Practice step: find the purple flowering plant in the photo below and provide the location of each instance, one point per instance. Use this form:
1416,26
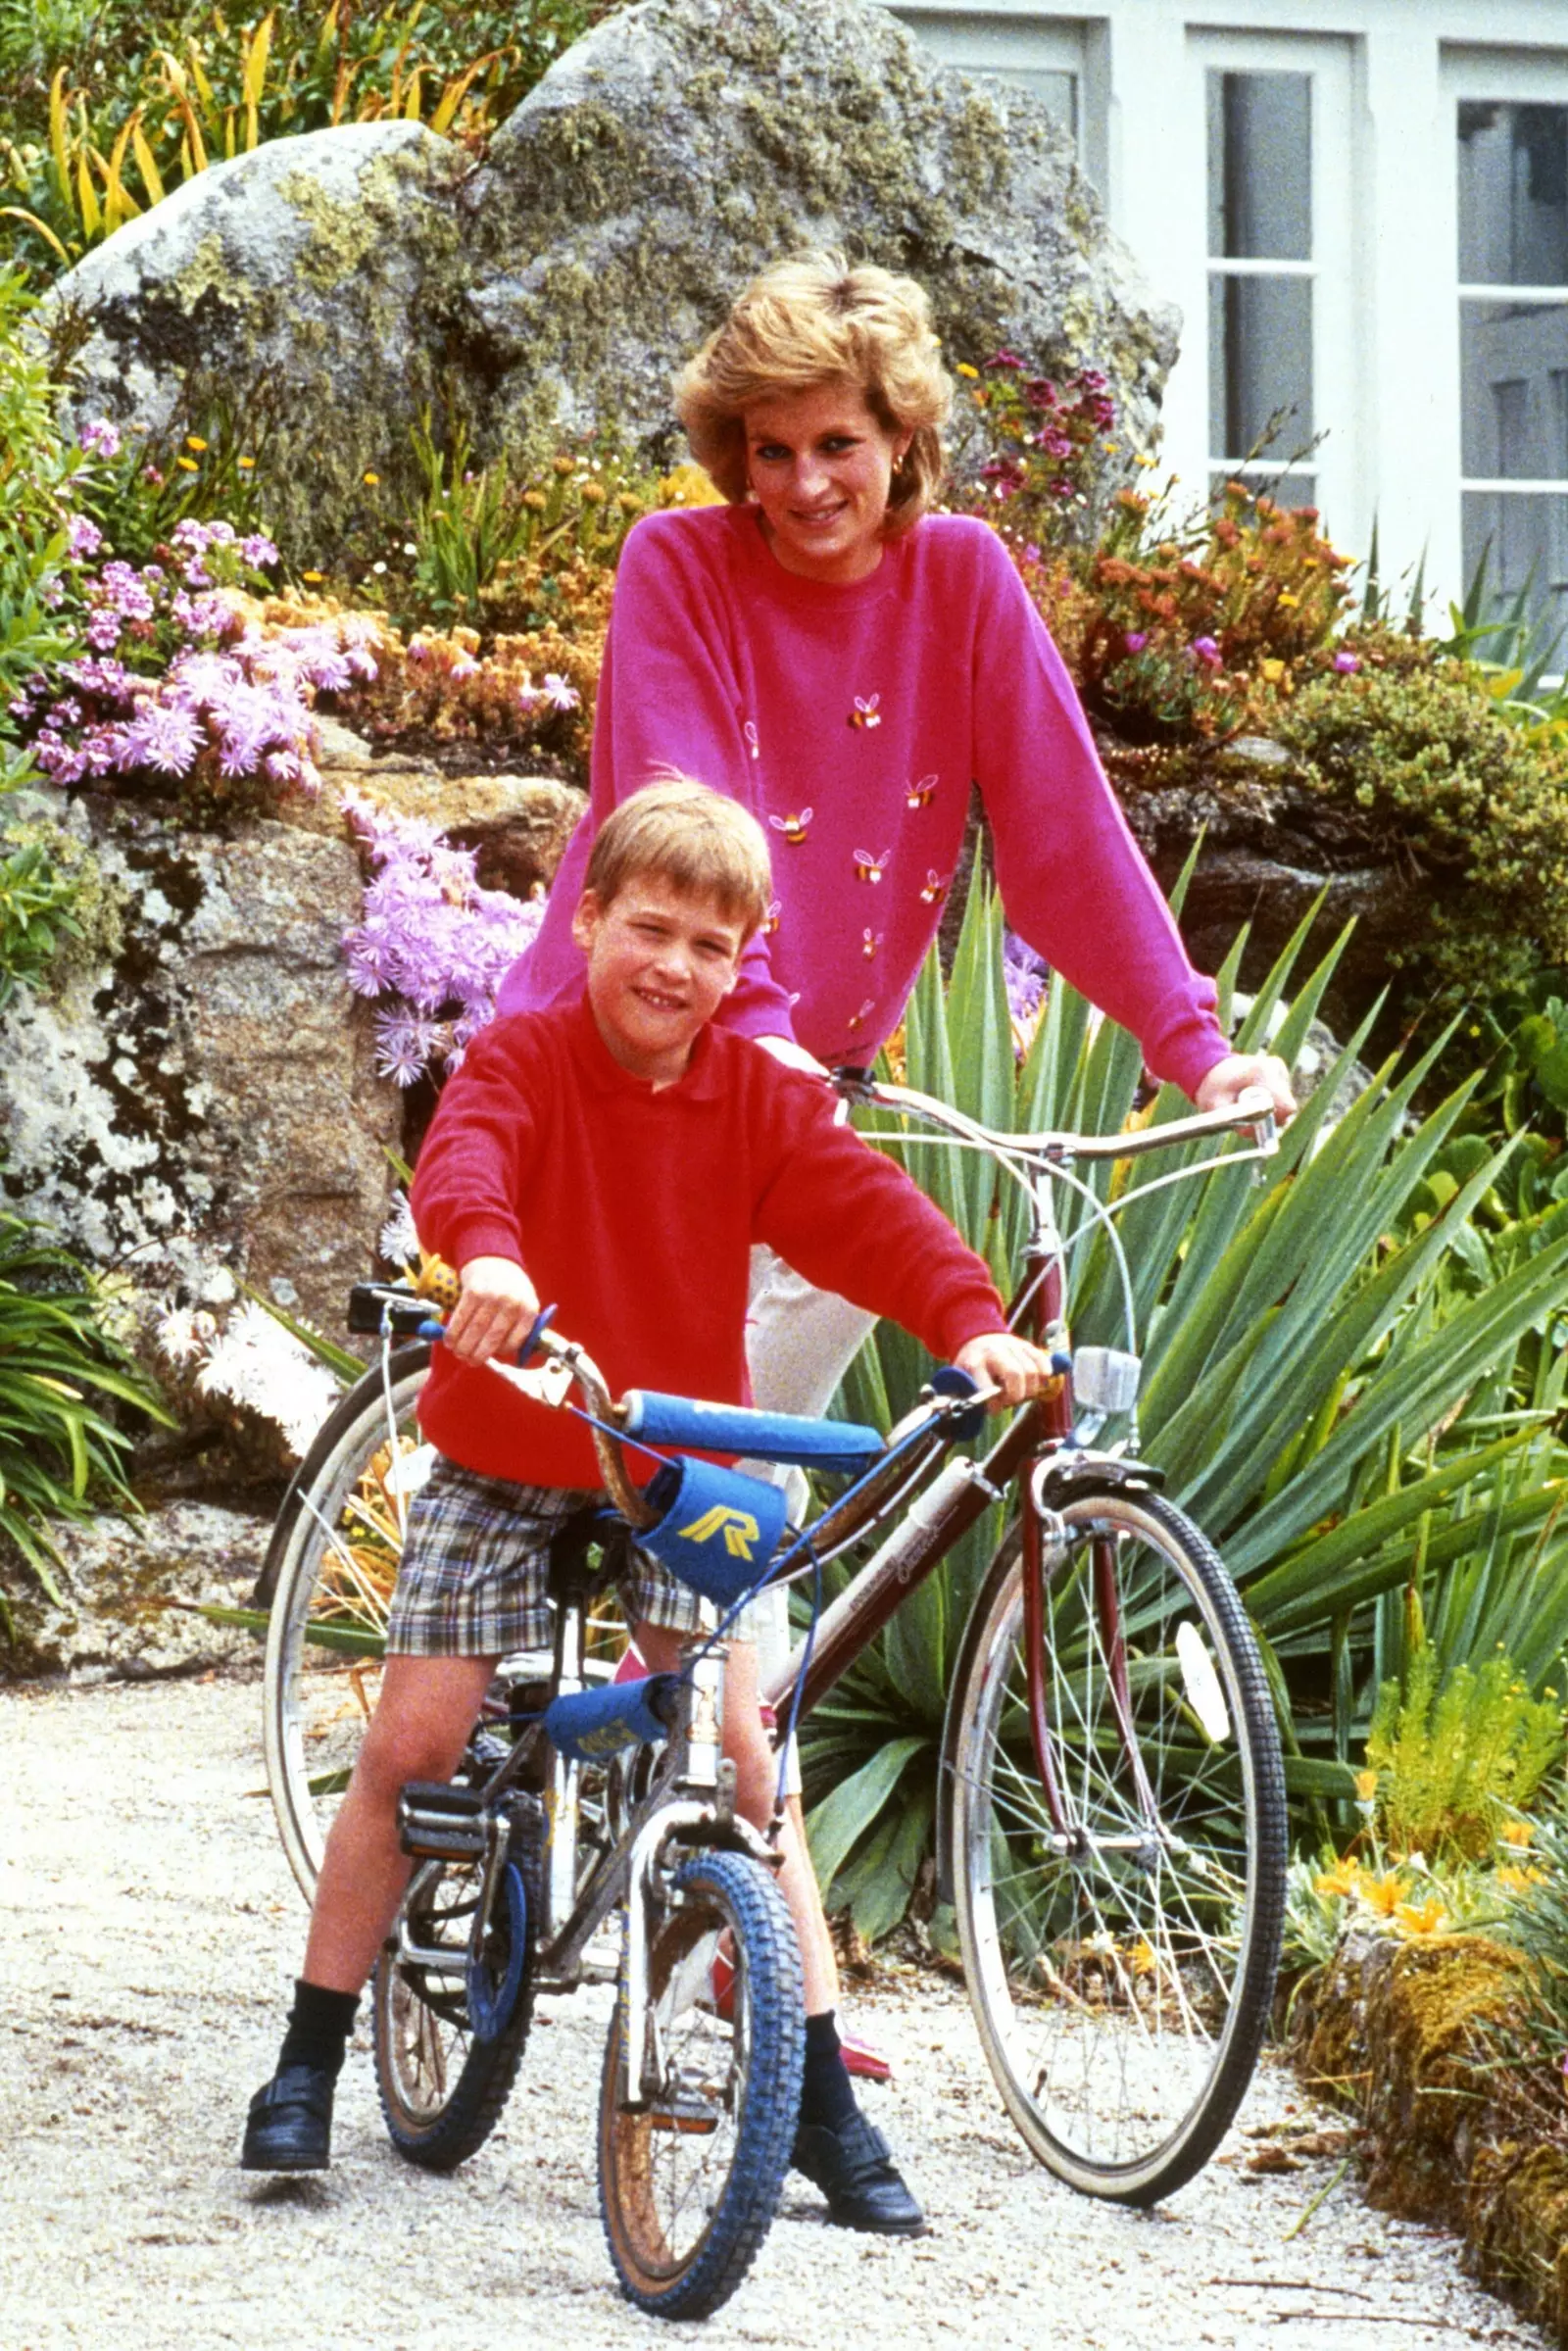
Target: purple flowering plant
1050,447
431,946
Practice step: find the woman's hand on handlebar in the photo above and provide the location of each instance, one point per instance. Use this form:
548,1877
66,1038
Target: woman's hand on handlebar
1001,1360
496,1312
1222,1087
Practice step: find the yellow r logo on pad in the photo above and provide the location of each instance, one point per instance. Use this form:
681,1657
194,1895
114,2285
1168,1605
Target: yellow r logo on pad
740,1530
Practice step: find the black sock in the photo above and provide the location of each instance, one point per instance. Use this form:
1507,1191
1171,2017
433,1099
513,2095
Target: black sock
827,2094
319,2027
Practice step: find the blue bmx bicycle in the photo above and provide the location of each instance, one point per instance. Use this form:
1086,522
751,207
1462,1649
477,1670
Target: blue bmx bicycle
1111,1817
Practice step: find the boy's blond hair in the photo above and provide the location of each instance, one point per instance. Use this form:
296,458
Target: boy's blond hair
692,837
813,321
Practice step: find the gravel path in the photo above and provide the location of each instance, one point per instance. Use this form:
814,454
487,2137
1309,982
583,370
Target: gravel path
148,1931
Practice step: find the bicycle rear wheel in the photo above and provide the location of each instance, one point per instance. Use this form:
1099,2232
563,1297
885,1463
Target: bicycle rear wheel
689,2178
1120,1907
328,1576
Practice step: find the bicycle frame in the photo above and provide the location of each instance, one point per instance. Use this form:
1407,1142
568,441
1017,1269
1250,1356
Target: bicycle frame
1043,1430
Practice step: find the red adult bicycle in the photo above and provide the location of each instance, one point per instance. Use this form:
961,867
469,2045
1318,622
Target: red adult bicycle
1112,1824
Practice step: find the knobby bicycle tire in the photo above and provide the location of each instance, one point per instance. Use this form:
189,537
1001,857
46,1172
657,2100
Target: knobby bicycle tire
689,2185
442,2088
327,1579
1120,1951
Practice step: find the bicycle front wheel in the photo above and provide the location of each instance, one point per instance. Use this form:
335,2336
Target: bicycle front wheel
1119,1845
690,2170
328,1576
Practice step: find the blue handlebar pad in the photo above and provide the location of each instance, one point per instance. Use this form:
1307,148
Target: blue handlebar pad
677,1420
586,1723
716,1527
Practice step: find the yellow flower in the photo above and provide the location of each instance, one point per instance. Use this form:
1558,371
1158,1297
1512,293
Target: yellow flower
195,441
1517,1832
245,463
371,478
963,368
1421,1918
1272,672
187,464
1287,599
312,576
1518,1880
1142,1957
1366,1783
1138,459
1343,1879
1384,1895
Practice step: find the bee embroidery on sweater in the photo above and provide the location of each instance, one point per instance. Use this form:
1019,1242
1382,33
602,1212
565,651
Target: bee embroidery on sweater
770,920
918,794
869,868
748,730
871,940
794,828
936,887
865,713
856,1018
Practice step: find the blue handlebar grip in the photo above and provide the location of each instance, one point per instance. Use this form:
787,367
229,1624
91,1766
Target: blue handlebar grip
431,1330
536,1331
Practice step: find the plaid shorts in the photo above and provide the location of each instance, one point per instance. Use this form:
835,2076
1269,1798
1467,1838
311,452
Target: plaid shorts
475,1578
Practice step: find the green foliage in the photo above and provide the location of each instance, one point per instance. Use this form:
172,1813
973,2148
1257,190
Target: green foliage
57,1450
1358,1418
1453,1756
515,549
1536,1923
38,910
1473,803
208,461
37,467
180,87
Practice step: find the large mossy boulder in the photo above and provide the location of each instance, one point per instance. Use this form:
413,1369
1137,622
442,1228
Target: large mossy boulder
345,279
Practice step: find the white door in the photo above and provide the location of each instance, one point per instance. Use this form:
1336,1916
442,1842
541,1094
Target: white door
1508,121
1263,224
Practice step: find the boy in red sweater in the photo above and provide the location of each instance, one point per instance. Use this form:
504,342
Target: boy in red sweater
620,1156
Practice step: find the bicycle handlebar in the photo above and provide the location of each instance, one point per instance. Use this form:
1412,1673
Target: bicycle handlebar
1253,1114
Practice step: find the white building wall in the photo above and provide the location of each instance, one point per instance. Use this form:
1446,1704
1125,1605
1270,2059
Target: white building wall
1388,76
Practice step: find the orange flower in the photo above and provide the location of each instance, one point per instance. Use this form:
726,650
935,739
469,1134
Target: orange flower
1421,1918
1384,1895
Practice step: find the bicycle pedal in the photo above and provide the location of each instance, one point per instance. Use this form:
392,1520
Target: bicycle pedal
691,2116
439,1822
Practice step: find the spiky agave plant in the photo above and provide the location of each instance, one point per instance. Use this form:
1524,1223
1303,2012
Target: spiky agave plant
1342,1416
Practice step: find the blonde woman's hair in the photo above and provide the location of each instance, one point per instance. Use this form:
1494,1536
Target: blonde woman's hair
692,837
813,321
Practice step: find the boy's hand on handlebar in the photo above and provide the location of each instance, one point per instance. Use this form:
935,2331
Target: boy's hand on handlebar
495,1312
1222,1087
999,1359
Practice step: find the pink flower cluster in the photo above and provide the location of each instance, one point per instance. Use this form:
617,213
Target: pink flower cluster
430,940
228,693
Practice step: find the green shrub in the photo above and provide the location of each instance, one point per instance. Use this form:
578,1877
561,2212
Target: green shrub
58,1452
1473,803
1454,1759
39,470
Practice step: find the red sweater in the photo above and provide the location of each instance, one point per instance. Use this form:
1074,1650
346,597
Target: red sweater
635,1212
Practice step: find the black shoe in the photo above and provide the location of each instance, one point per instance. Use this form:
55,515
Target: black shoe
290,2126
855,2172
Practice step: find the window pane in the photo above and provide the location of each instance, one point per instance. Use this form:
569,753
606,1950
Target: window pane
1513,361
1260,364
1260,166
1523,541
1286,489
1513,194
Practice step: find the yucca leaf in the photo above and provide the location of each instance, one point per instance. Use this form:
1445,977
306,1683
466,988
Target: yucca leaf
836,1823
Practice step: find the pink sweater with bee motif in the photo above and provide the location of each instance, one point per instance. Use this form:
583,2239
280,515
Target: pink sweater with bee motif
850,720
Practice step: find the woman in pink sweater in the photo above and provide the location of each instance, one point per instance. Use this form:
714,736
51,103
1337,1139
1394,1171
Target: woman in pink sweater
844,660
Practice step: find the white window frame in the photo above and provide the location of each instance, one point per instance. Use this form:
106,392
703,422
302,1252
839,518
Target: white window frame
1022,33
1483,74
1337,464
